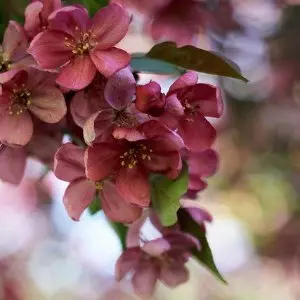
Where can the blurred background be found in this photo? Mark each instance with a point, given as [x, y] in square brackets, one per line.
[254, 198]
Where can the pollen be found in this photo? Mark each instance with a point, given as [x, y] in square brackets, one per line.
[5, 63]
[98, 185]
[19, 100]
[135, 156]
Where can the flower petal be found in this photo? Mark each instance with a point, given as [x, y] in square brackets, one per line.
[12, 161]
[48, 104]
[130, 134]
[194, 208]
[71, 20]
[188, 79]
[110, 25]
[145, 277]
[207, 99]
[127, 261]
[69, 162]
[99, 126]
[32, 20]
[174, 274]
[78, 74]
[133, 185]
[115, 207]
[78, 196]
[17, 129]
[49, 49]
[133, 233]
[198, 134]
[110, 61]
[101, 160]
[156, 247]
[14, 41]
[120, 89]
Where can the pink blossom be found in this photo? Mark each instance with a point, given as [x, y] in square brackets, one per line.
[37, 13]
[13, 52]
[69, 166]
[28, 93]
[131, 158]
[160, 259]
[79, 46]
[187, 105]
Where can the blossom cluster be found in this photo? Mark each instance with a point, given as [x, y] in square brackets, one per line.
[63, 74]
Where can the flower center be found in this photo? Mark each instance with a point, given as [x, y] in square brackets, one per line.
[98, 185]
[190, 110]
[83, 42]
[125, 119]
[19, 101]
[131, 158]
[5, 64]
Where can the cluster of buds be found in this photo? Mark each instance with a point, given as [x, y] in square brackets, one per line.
[61, 73]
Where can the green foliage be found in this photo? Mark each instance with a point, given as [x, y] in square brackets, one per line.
[92, 5]
[95, 206]
[144, 64]
[204, 256]
[121, 231]
[192, 58]
[166, 194]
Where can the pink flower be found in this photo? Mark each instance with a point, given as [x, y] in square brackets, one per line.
[13, 52]
[13, 162]
[104, 105]
[69, 166]
[160, 259]
[154, 148]
[187, 105]
[201, 165]
[37, 13]
[79, 46]
[29, 92]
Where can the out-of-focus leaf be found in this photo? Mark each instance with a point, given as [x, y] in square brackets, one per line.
[121, 231]
[192, 58]
[92, 5]
[205, 256]
[141, 63]
[95, 206]
[166, 194]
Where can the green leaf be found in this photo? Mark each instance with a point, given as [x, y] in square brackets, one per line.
[92, 5]
[166, 194]
[95, 206]
[192, 58]
[205, 256]
[121, 230]
[144, 64]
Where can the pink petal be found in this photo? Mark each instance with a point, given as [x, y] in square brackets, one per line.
[196, 184]
[149, 99]
[174, 274]
[134, 231]
[49, 49]
[9, 75]
[12, 161]
[194, 208]
[197, 133]
[78, 74]
[78, 196]
[203, 164]
[110, 61]
[50, 6]
[188, 79]
[32, 20]
[17, 129]
[120, 89]
[115, 207]
[134, 187]
[207, 99]
[101, 160]
[48, 104]
[98, 126]
[127, 262]
[145, 277]
[156, 247]
[69, 162]
[168, 163]
[130, 134]
[71, 20]
[14, 41]
[110, 25]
